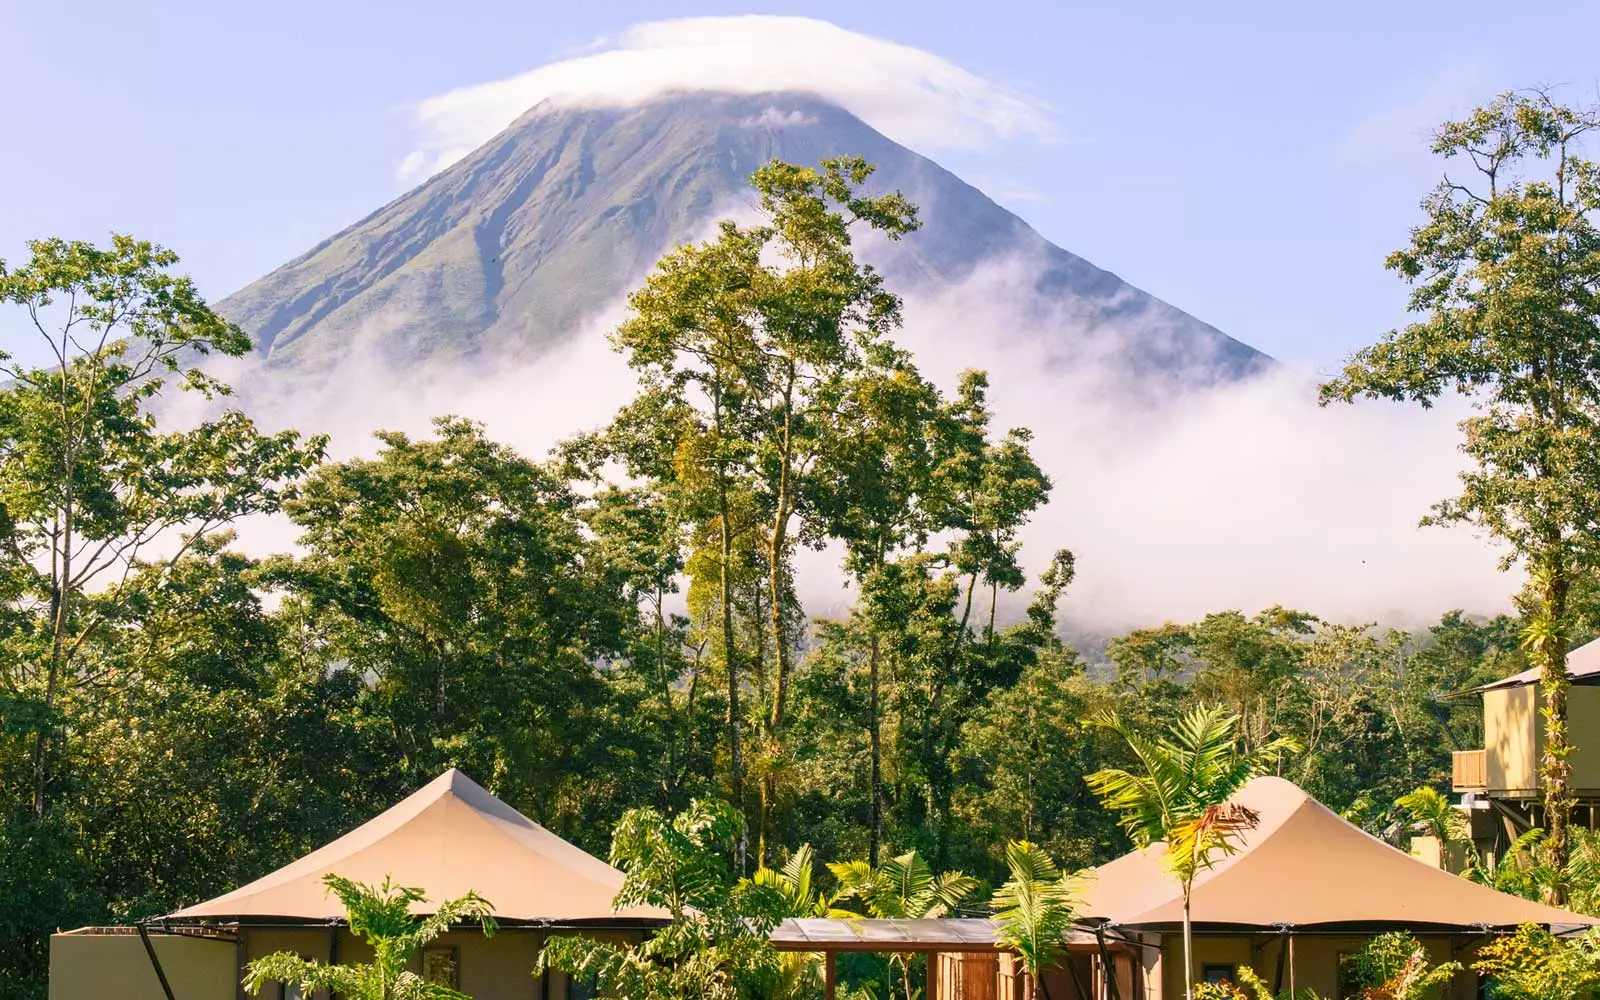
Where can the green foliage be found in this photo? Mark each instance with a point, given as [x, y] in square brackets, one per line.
[458, 578]
[1527, 868]
[383, 917]
[1034, 909]
[1431, 810]
[1250, 987]
[1395, 966]
[902, 888]
[714, 946]
[90, 487]
[1533, 964]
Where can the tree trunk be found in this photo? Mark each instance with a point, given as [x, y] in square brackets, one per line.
[874, 730]
[966, 612]
[1555, 765]
[994, 593]
[777, 550]
[1188, 950]
[60, 611]
[729, 654]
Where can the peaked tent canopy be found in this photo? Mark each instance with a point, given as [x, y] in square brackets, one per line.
[1303, 866]
[449, 838]
[1583, 666]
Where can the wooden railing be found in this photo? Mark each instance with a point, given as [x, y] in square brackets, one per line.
[1469, 771]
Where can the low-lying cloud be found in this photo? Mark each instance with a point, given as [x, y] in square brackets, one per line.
[912, 96]
[1177, 502]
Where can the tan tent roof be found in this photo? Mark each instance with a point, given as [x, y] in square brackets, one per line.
[449, 838]
[1304, 866]
[1583, 666]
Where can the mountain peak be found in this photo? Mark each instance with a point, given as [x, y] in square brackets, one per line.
[508, 252]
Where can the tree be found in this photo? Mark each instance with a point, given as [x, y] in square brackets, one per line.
[1505, 276]
[903, 888]
[1431, 810]
[458, 578]
[743, 341]
[1034, 909]
[90, 488]
[382, 917]
[1181, 796]
[989, 490]
[872, 491]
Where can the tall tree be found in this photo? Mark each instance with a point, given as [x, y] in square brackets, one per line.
[1505, 276]
[872, 491]
[90, 487]
[743, 341]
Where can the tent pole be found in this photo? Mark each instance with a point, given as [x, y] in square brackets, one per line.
[1291, 964]
[1077, 980]
[1283, 953]
[1105, 963]
[155, 960]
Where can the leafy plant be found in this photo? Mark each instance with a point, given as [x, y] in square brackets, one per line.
[792, 884]
[714, 946]
[1250, 987]
[1431, 809]
[1533, 964]
[1034, 909]
[382, 917]
[903, 888]
[1395, 967]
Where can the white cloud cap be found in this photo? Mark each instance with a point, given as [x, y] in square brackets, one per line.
[912, 96]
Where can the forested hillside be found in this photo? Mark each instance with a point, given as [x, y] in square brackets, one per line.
[610, 626]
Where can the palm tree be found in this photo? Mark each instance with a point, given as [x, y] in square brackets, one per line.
[1181, 798]
[381, 916]
[1034, 909]
[792, 884]
[902, 888]
[1430, 809]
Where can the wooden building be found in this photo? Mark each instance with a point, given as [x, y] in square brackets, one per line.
[1500, 782]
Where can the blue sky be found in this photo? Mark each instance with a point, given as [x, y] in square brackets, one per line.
[1250, 163]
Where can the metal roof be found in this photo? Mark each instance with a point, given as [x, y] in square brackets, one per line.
[1583, 666]
[946, 934]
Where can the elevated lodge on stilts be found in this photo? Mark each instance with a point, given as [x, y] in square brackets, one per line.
[1304, 888]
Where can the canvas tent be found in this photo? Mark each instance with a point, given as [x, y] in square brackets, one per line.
[448, 838]
[1303, 887]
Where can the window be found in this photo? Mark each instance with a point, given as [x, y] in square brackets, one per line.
[583, 989]
[439, 966]
[1350, 973]
[1219, 974]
